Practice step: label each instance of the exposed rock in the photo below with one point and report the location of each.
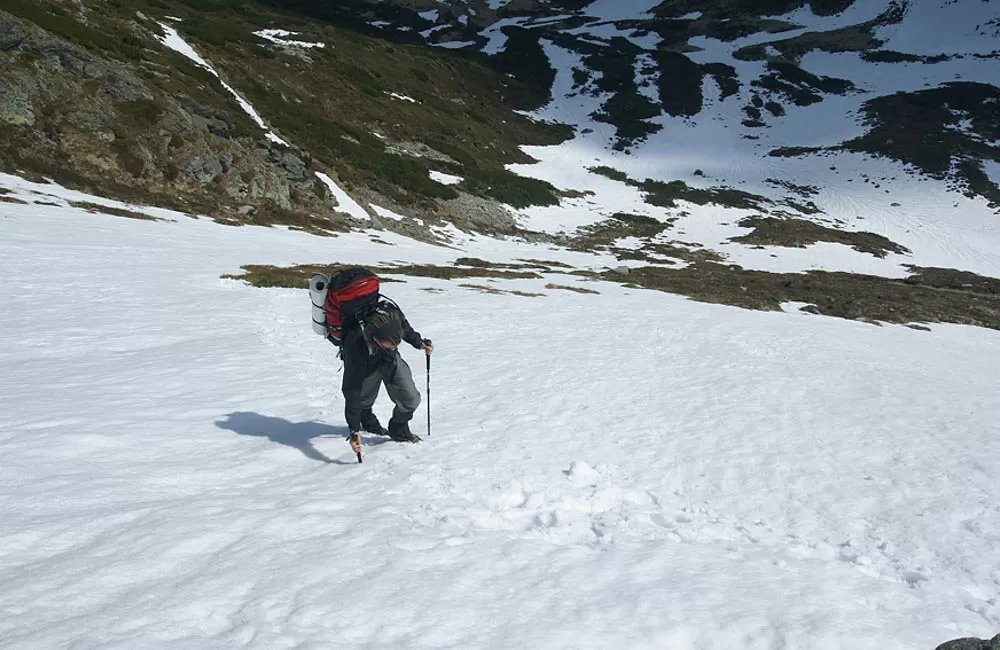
(12, 32)
(204, 168)
(15, 109)
(143, 128)
(474, 213)
(418, 149)
(970, 643)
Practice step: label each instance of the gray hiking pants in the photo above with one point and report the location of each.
(399, 385)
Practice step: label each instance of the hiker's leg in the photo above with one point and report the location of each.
(360, 389)
(403, 393)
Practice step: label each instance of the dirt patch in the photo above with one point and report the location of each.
(11, 199)
(799, 233)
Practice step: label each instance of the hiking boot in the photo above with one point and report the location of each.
(402, 433)
(371, 424)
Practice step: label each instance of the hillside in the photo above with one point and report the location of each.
(720, 150)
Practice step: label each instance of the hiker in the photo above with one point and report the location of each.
(371, 357)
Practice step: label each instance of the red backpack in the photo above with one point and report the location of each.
(350, 296)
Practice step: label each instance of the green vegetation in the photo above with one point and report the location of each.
(943, 131)
(509, 188)
(60, 20)
(798, 86)
(332, 104)
(627, 109)
(679, 84)
(610, 172)
(524, 59)
(667, 194)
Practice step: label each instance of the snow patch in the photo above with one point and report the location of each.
(387, 213)
(445, 179)
(402, 97)
(278, 37)
(344, 201)
(174, 41)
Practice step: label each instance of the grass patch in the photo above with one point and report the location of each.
(610, 172)
(507, 187)
(602, 235)
(547, 264)
(297, 277)
(483, 264)
(799, 233)
(569, 288)
(11, 199)
(96, 208)
(494, 291)
(653, 253)
(666, 194)
(845, 295)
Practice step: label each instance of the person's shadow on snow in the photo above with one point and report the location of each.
(292, 434)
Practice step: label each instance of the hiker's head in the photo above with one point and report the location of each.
(386, 329)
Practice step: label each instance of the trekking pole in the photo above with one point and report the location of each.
(428, 392)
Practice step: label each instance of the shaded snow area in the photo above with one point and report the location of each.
(174, 41)
(663, 474)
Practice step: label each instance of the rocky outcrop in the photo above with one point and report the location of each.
(153, 130)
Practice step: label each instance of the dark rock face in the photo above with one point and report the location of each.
(970, 643)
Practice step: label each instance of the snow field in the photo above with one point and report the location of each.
(630, 469)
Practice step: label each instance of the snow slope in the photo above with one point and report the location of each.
(629, 469)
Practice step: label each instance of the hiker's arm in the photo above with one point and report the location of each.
(411, 336)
